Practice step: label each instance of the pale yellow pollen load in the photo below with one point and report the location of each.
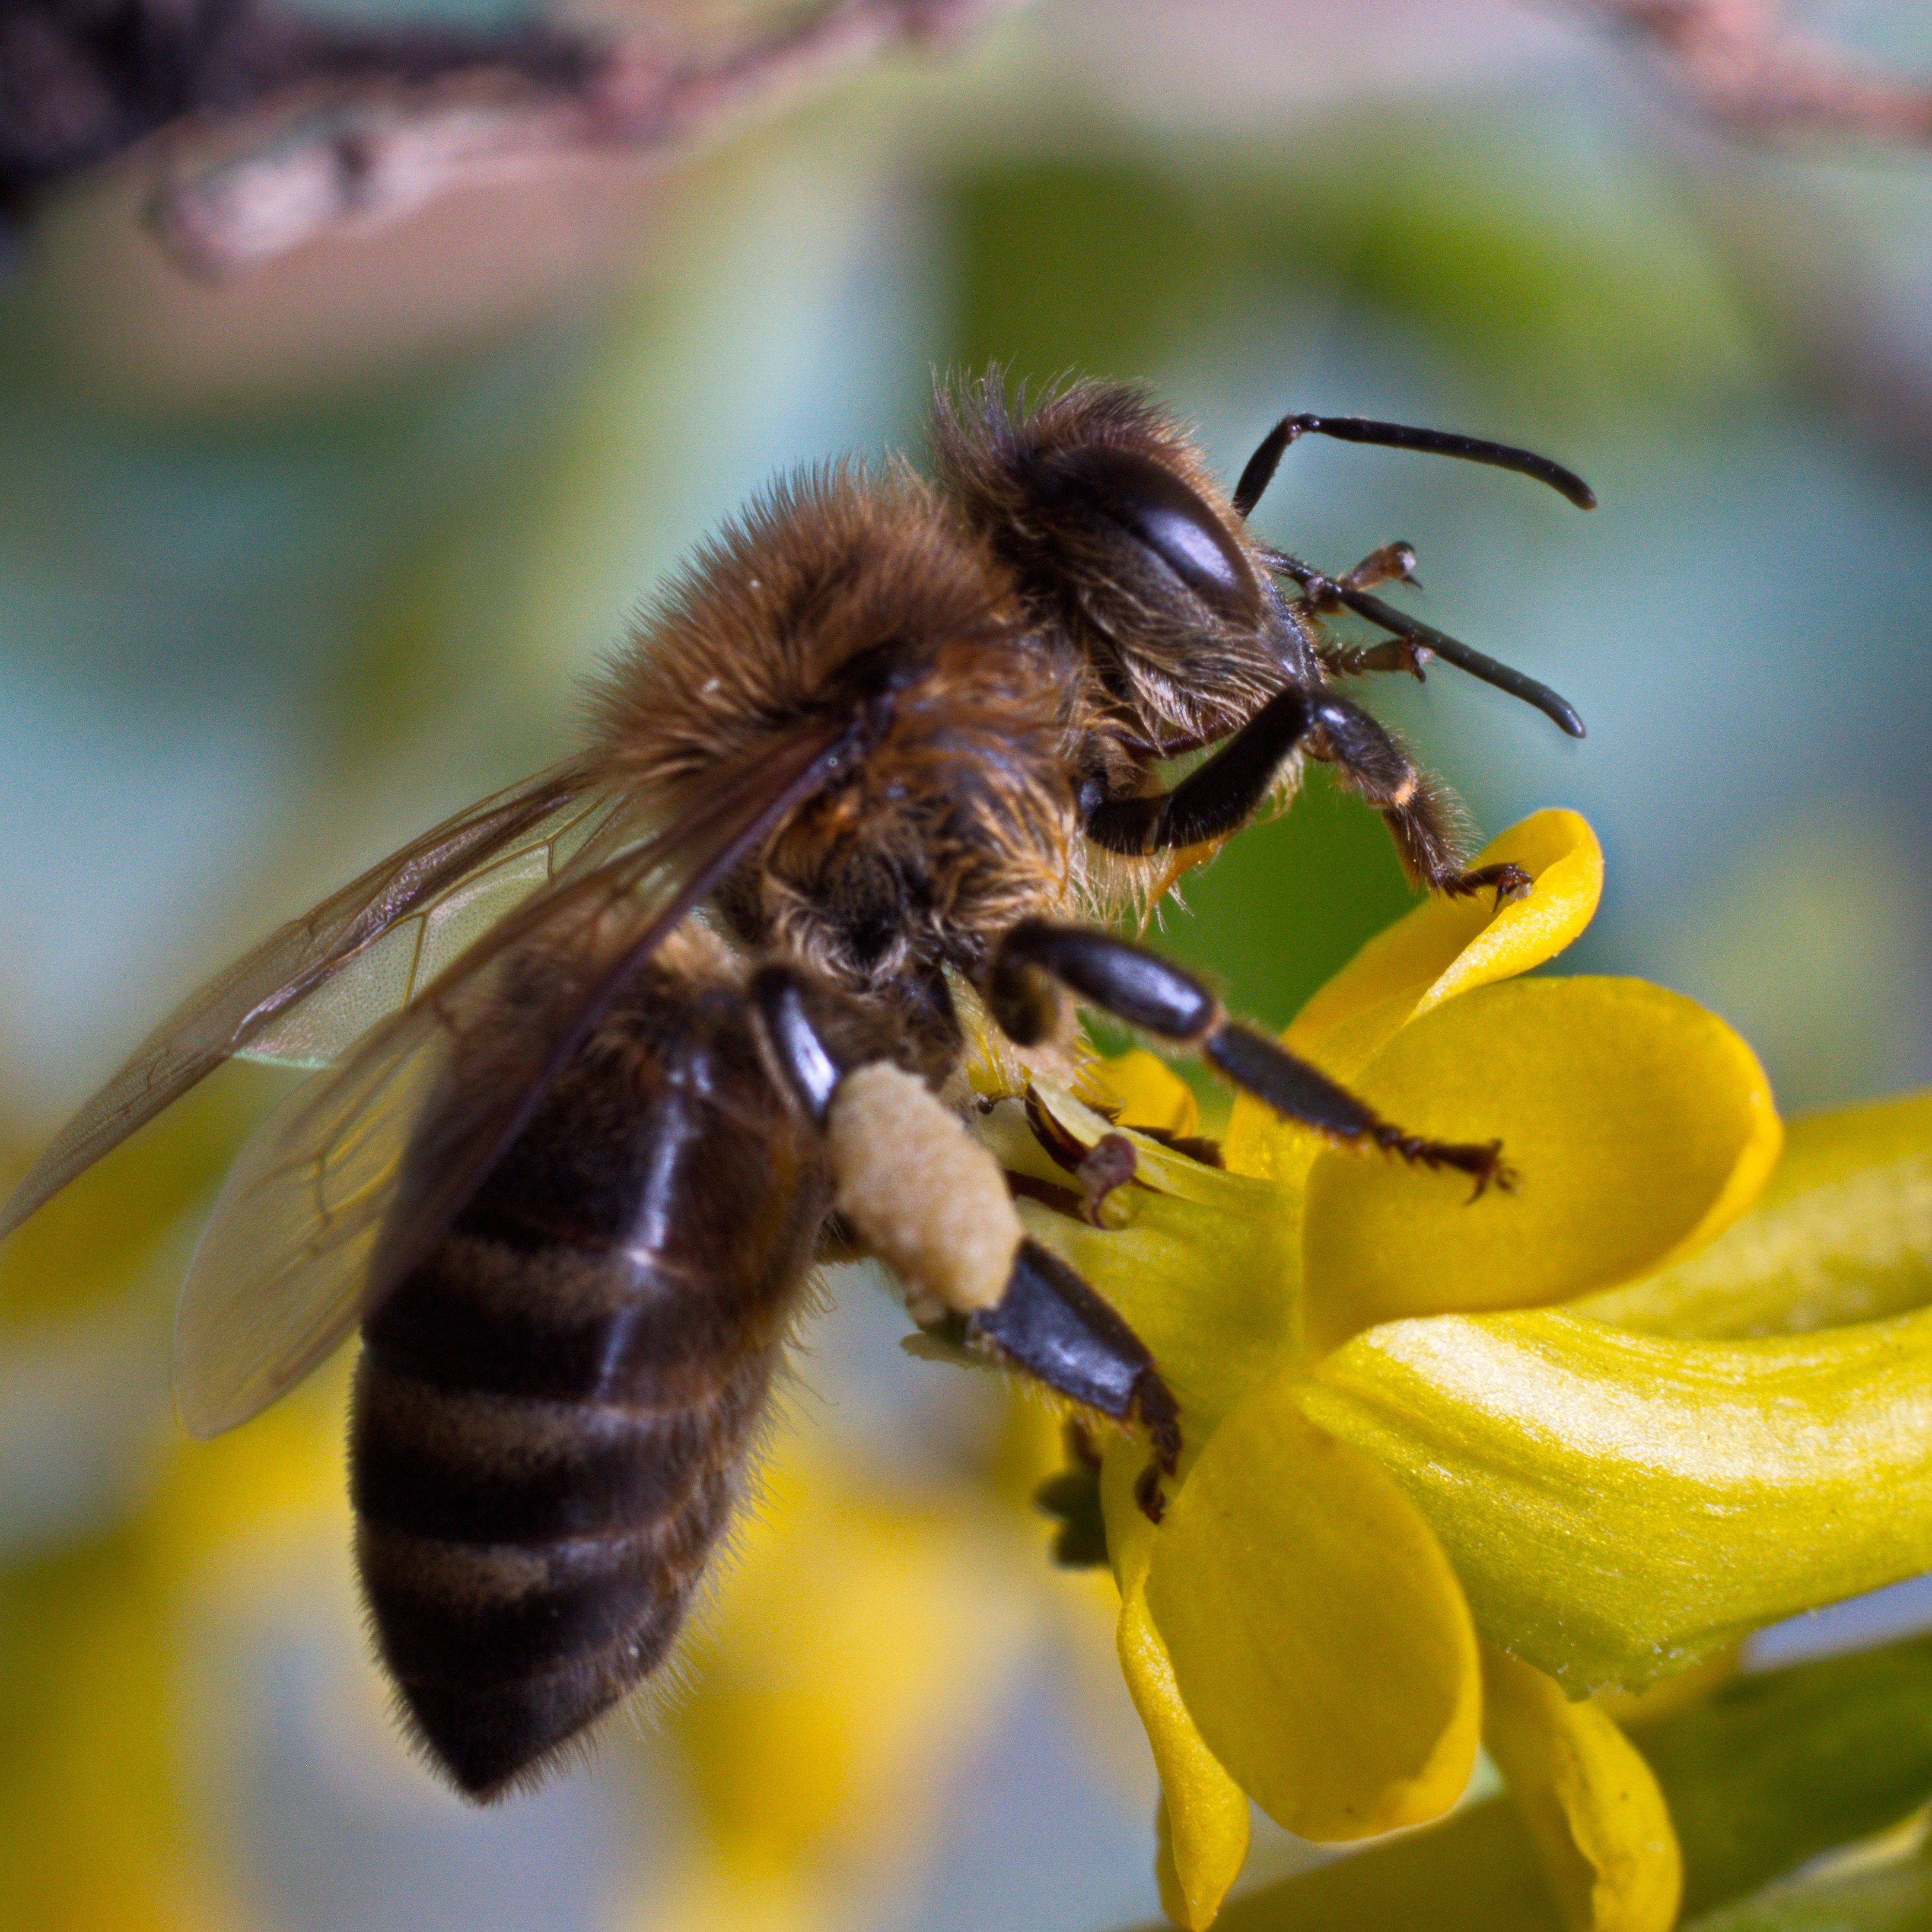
(921, 1193)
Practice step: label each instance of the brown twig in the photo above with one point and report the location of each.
(299, 132)
(82, 81)
(1743, 65)
(371, 156)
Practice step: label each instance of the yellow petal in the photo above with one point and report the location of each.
(1638, 1125)
(1204, 1836)
(1618, 1504)
(1317, 1635)
(1443, 947)
(1204, 1814)
(1204, 1266)
(1591, 1803)
(1450, 946)
(1842, 1233)
(1183, 1906)
(1143, 1092)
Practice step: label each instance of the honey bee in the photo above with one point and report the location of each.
(605, 1063)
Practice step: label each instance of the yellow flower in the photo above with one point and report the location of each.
(1399, 1502)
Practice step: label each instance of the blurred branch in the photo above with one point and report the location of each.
(271, 131)
(1740, 62)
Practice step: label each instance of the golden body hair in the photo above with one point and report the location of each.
(606, 1061)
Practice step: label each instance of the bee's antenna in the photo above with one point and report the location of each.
(1262, 465)
(1558, 710)
(1327, 592)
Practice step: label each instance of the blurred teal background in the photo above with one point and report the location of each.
(290, 569)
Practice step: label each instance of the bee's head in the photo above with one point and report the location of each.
(1118, 536)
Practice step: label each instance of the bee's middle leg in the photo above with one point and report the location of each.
(931, 1202)
(1140, 987)
(1218, 796)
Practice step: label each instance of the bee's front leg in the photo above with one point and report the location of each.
(1420, 816)
(926, 1199)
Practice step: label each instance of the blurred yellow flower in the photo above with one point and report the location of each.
(1393, 1495)
(1419, 1504)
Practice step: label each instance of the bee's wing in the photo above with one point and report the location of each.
(315, 1028)
(308, 989)
(346, 1187)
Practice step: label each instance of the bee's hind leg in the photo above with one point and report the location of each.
(1051, 1323)
(1151, 993)
(931, 1202)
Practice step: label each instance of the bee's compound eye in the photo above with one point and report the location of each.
(1161, 512)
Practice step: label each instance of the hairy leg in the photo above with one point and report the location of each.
(1217, 797)
(1418, 814)
(1222, 795)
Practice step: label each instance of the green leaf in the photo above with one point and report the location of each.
(1897, 1899)
(1477, 1872)
(1776, 1769)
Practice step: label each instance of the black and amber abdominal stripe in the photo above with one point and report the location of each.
(551, 1410)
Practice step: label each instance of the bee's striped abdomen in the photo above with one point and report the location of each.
(552, 1411)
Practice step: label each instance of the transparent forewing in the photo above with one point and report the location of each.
(264, 991)
(348, 1186)
(386, 974)
(273, 1285)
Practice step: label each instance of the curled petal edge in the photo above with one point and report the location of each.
(1600, 1823)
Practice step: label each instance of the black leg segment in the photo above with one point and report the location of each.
(1292, 1088)
(1263, 464)
(1219, 797)
(1149, 992)
(795, 1047)
(1051, 1324)
(1420, 818)
(1223, 794)
(1300, 1092)
(1369, 760)
(1126, 980)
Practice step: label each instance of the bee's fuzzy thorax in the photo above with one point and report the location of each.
(839, 581)
(825, 567)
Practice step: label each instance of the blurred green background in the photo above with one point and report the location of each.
(291, 567)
